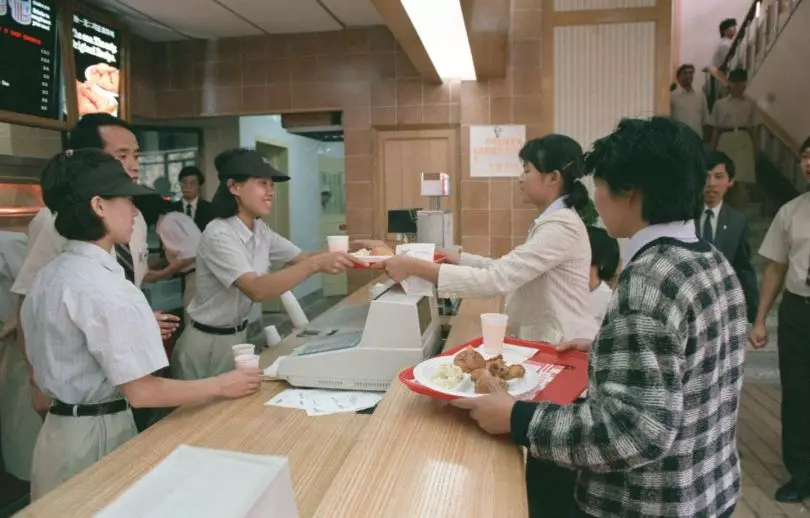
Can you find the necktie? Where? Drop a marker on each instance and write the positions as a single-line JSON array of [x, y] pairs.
[[125, 260], [708, 233], [188, 210]]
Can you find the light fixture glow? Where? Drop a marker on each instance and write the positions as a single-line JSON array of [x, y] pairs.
[[440, 26]]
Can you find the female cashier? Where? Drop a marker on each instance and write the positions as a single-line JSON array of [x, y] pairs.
[[233, 260], [94, 339], [545, 280]]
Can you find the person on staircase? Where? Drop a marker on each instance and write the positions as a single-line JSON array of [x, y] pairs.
[[787, 248], [726, 228]]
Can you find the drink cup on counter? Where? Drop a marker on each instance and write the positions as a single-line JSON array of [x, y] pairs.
[[338, 243], [493, 329], [243, 350], [271, 336], [247, 361]]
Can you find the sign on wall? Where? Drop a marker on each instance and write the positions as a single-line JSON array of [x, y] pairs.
[[494, 150]]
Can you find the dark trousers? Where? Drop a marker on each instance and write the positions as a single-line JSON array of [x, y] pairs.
[[550, 489], [794, 372]]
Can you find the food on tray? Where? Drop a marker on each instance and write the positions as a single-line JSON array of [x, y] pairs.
[[486, 383], [448, 376], [363, 252], [103, 75], [91, 101], [380, 251], [469, 360], [497, 367], [515, 372]]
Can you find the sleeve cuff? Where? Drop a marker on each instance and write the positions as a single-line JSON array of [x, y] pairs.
[[522, 414]]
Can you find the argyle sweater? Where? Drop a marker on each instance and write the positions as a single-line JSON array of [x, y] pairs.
[[656, 435]]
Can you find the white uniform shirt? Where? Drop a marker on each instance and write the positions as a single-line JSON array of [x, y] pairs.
[[88, 330], [690, 107], [721, 51], [228, 250], [47, 244], [180, 236], [788, 242], [12, 255], [733, 112]]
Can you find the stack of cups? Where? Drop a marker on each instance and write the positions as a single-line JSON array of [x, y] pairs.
[[493, 329], [337, 243], [244, 356], [271, 336]]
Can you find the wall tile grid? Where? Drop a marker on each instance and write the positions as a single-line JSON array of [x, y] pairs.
[[364, 73]]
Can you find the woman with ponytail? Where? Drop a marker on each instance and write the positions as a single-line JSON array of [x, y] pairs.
[[545, 280]]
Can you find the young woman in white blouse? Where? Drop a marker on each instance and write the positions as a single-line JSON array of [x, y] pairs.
[[545, 280]]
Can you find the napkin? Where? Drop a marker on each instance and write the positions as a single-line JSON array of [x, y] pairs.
[[318, 402], [271, 372], [415, 285]]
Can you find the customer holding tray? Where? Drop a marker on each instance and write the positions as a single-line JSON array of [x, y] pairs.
[[93, 340], [545, 280], [233, 265]]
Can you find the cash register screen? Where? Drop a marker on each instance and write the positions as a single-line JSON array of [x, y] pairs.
[[423, 310]]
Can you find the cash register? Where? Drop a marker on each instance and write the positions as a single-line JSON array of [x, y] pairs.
[[400, 330]]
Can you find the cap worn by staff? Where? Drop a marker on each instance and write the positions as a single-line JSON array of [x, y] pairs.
[[109, 180], [250, 164]]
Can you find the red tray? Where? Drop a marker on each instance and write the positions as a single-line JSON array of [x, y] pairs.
[[564, 388], [437, 258]]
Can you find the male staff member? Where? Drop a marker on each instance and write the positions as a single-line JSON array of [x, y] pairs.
[[201, 211], [728, 29], [687, 105], [787, 248]]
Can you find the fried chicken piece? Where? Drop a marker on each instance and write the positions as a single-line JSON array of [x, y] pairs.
[[497, 367], [486, 383], [515, 372], [469, 360]]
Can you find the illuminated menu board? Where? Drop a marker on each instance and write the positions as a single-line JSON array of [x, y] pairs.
[[97, 58], [30, 77]]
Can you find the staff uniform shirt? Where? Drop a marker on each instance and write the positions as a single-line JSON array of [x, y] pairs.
[[228, 250], [721, 51], [733, 112], [88, 329], [690, 107], [12, 255], [179, 235], [788, 242], [47, 244]]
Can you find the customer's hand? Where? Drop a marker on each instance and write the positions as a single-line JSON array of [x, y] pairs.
[[39, 401], [239, 383], [335, 262], [492, 412], [578, 344], [758, 336], [167, 322], [451, 256], [398, 268]]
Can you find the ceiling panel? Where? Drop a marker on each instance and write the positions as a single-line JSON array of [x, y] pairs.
[[206, 19], [285, 16], [354, 13]]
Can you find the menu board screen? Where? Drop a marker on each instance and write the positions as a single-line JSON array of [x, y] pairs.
[[30, 77], [97, 57]]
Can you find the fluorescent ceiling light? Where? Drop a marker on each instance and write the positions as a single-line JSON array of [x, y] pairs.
[[440, 26]]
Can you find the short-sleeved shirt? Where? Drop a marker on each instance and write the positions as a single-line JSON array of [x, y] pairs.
[[788, 242], [721, 52], [180, 236], [88, 330], [12, 255], [690, 107], [734, 112], [228, 250], [45, 244]]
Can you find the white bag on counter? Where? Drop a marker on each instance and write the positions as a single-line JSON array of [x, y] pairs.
[[206, 483], [416, 285]]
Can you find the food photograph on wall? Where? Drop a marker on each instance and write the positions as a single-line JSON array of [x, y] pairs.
[[97, 60]]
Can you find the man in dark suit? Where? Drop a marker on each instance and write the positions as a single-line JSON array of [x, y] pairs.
[[726, 228], [201, 211]]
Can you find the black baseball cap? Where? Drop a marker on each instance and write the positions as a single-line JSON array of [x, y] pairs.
[[109, 180], [246, 163]]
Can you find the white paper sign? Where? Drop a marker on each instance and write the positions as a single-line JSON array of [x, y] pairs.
[[494, 150]]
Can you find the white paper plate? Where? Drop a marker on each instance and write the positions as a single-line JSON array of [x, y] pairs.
[[424, 372], [372, 259]]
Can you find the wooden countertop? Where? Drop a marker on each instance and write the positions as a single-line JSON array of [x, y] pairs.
[[413, 457]]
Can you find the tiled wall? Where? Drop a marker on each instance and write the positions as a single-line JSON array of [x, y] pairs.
[[366, 74]]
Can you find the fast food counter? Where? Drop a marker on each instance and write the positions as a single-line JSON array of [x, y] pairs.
[[412, 457]]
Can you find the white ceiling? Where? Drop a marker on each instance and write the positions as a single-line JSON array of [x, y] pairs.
[[168, 20]]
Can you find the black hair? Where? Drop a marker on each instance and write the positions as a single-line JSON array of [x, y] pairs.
[[716, 158], [805, 146], [559, 153], [673, 87], [85, 134], [604, 253], [191, 170], [738, 75], [223, 202], [684, 67], [661, 158], [75, 218], [727, 24], [152, 208]]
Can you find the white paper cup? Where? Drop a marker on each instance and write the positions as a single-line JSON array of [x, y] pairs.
[[493, 329], [271, 336], [247, 361], [243, 350], [338, 243]]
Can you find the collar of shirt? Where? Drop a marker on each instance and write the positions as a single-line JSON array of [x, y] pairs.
[[556, 205], [95, 252], [242, 230], [680, 230], [715, 210], [193, 203]]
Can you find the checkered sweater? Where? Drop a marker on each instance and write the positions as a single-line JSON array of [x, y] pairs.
[[657, 434]]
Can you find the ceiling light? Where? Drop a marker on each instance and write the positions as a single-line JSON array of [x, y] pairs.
[[440, 26]]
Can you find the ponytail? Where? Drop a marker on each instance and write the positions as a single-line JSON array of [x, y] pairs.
[[224, 203], [577, 198]]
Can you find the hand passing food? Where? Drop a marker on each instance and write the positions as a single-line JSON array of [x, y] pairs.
[[335, 262], [398, 268]]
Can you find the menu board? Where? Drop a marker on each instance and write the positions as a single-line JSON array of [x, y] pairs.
[[97, 60], [30, 77]]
